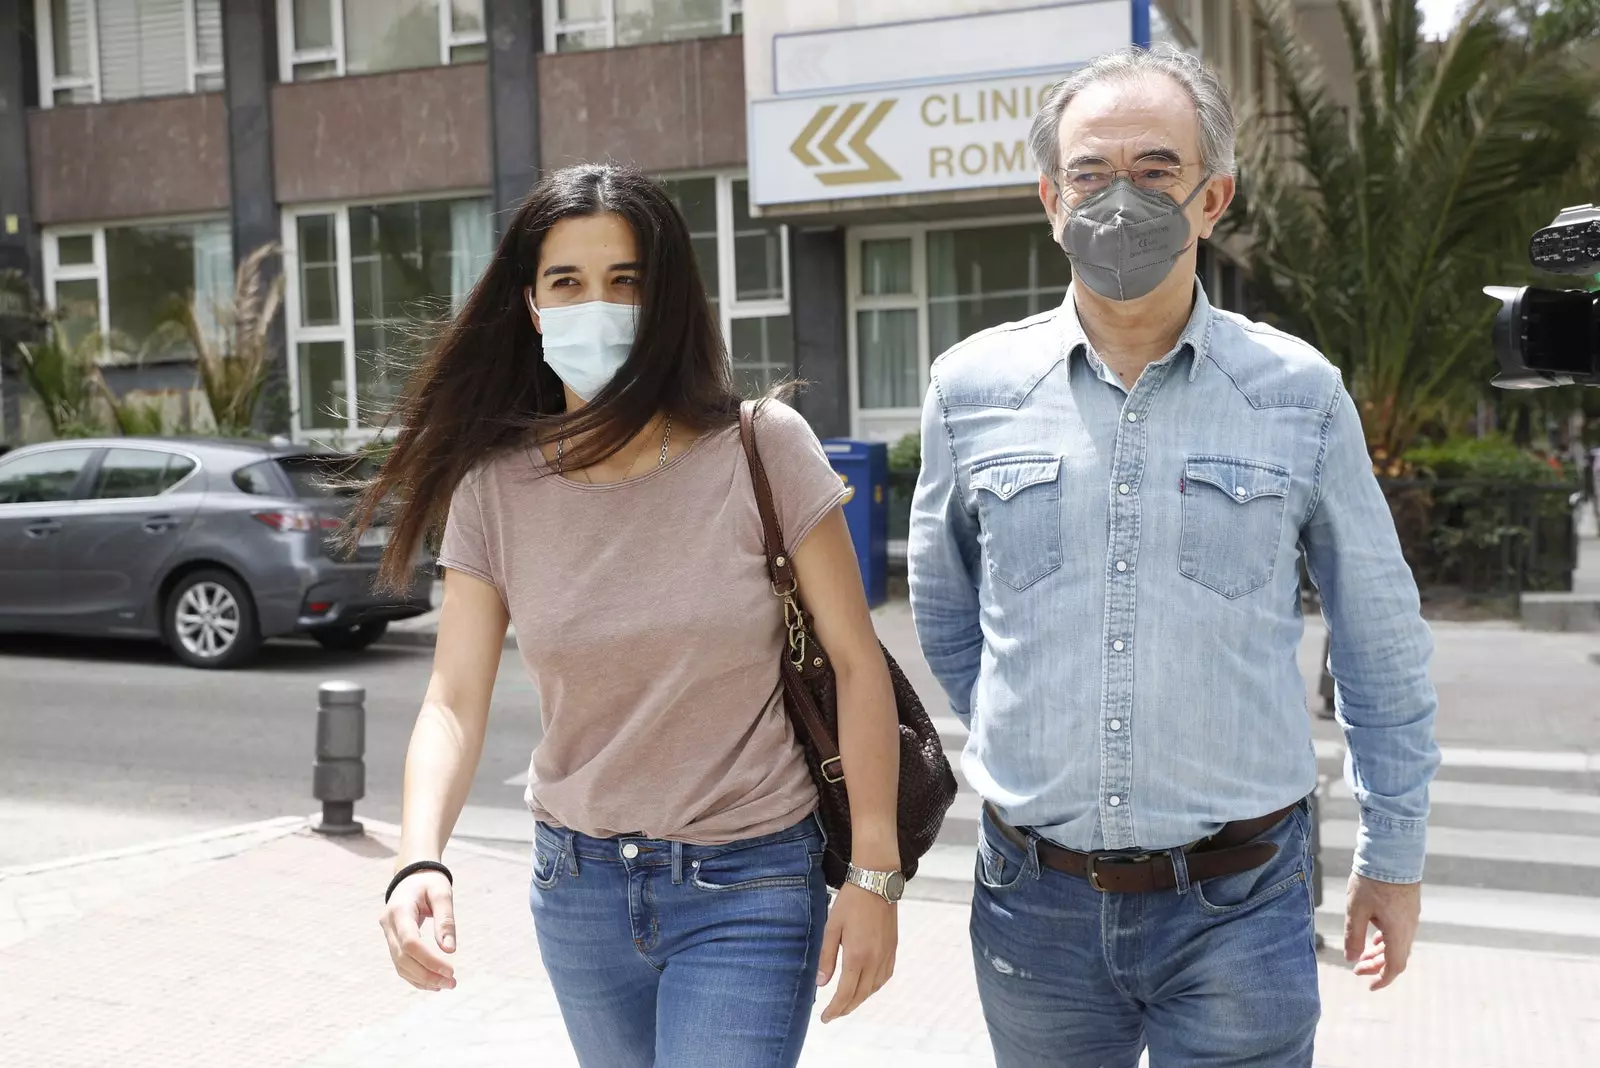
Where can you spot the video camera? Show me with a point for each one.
(1551, 337)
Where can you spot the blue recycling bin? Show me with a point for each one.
(863, 466)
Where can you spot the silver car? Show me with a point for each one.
(212, 546)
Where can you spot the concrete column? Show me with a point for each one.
(818, 306)
(250, 67)
(516, 37)
(19, 242)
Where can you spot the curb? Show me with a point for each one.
(277, 828)
(392, 830)
(427, 639)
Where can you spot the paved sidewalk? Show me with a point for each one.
(261, 948)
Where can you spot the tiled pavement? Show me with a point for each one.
(262, 949)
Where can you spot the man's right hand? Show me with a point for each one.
(419, 961)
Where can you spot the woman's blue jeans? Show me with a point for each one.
(666, 955)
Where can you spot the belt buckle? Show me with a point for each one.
(1111, 858)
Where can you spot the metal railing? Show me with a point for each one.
(1479, 538)
(1486, 538)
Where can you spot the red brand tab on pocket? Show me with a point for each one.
(1183, 485)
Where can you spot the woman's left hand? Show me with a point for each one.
(868, 928)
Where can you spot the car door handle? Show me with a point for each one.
(159, 524)
(42, 528)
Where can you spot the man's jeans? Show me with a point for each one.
(665, 955)
(1218, 974)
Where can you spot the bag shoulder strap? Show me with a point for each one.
(779, 567)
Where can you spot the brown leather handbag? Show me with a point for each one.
(811, 697)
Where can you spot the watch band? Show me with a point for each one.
(874, 882)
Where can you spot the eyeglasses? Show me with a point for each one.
(1154, 173)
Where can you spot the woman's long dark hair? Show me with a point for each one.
(484, 386)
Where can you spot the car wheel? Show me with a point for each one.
(351, 639)
(211, 621)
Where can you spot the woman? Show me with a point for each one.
(579, 418)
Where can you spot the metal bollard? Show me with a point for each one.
(1325, 683)
(339, 777)
(1316, 846)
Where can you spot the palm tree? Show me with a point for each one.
(63, 375)
(1372, 230)
(66, 378)
(235, 356)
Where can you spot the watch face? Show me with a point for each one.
(895, 886)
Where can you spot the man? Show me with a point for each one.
(1103, 558)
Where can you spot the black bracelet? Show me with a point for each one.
(412, 869)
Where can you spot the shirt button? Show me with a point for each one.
(1239, 491)
(1005, 491)
(1115, 800)
(1133, 417)
(1122, 565)
(1123, 489)
(1115, 724)
(1117, 645)
(630, 851)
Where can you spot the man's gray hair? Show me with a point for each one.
(1212, 109)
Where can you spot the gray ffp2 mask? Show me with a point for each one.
(1124, 240)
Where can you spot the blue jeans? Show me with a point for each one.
(665, 955)
(1216, 974)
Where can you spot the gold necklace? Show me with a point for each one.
(666, 448)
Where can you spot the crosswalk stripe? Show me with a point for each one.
(1494, 795)
(1569, 762)
(954, 736)
(1503, 759)
(1510, 910)
(1499, 847)
(968, 805)
(1527, 847)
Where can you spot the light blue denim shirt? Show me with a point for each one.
(1105, 582)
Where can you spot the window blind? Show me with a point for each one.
(144, 48)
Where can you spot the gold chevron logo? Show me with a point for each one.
(827, 127)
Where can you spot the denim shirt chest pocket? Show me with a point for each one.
(1019, 515)
(1232, 522)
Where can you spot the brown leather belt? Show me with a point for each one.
(1228, 852)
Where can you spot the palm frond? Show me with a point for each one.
(235, 360)
(1371, 233)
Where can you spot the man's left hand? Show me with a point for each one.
(1394, 909)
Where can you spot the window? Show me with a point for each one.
(916, 291)
(363, 281)
(887, 326)
(325, 477)
(332, 38)
(130, 282)
(257, 480)
(42, 477)
(744, 266)
(977, 278)
(139, 473)
(96, 50)
(1214, 17)
(580, 25)
(1177, 25)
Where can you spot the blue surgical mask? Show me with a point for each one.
(587, 344)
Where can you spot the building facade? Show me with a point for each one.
(854, 174)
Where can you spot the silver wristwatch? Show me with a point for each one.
(889, 885)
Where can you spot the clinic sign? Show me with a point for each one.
(960, 136)
(928, 106)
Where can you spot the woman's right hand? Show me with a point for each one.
(419, 961)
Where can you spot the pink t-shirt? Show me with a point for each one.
(643, 612)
